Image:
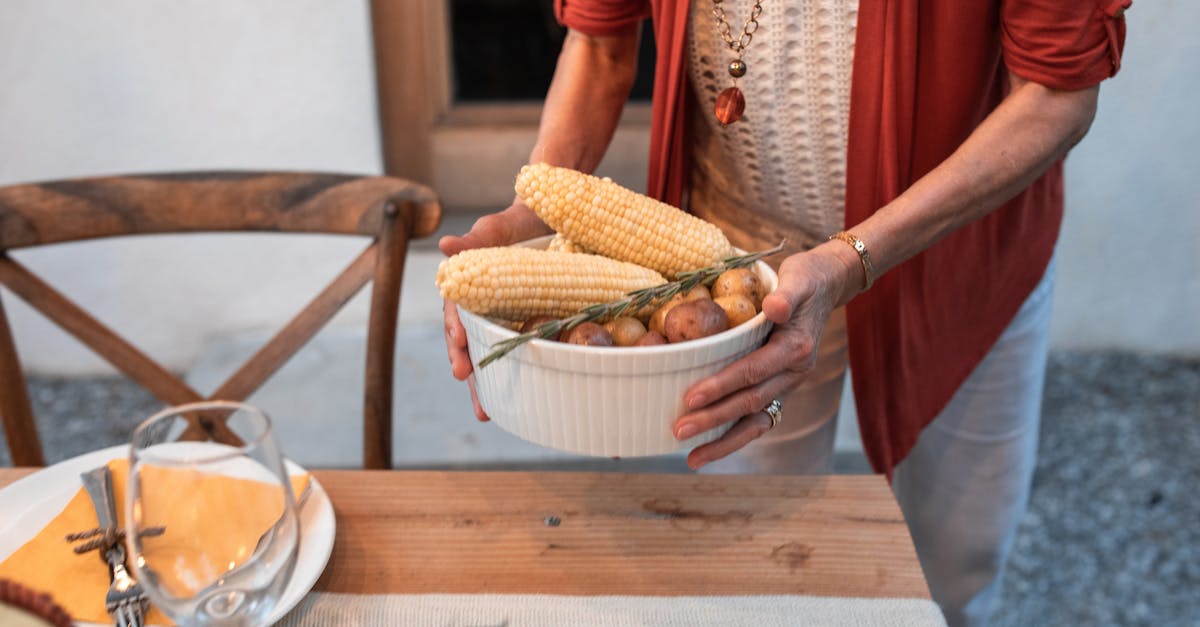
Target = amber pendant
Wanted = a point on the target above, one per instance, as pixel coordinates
(731, 104)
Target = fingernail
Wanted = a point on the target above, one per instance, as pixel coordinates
(697, 401)
(686, 431)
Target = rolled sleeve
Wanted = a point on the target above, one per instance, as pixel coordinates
(1063, 44)
(601, 18)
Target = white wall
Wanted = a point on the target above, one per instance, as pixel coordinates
(1129, 274)
(121, 86)
(127, 86)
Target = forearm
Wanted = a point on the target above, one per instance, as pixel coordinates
(1032, 129)
(591, 84)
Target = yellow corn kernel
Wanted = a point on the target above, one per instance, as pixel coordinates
(616, 222)
(562, 244)
(516, 283)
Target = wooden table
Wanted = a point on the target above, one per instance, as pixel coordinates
(608, 533)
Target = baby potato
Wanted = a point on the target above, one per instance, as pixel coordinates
(660, 316)
(738, 308)
(651, 338)
(695, 319)
(697, 293)
(626, 331)
(528, 325)
(658, 320)
(742, 281)
(588, 334)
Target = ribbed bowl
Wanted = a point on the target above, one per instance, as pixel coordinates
(602, 401)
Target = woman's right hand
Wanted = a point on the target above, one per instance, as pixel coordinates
(514, 224)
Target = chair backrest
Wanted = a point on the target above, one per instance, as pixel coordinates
(388, 210)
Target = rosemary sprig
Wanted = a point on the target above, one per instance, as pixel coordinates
(635, 301)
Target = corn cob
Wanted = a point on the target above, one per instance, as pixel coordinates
(519, 283)
(616, 222)
(560, 243)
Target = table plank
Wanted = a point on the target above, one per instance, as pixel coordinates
(619, 534)
(639, 534)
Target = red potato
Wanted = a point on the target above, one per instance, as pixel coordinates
(658, 320)
(588, 334)
(695, 319)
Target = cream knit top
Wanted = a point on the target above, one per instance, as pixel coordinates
(780, 171)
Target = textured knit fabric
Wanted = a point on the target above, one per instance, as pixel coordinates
(544, 610)
(787, 156)
(925, 74)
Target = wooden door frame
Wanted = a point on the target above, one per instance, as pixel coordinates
(412, 75)
(428, 138)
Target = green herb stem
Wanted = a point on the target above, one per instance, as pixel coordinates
(633, 301)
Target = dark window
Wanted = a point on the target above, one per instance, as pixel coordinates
(506, 50)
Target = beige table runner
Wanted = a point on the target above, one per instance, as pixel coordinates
(323, 609)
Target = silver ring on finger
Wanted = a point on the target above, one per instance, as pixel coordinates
(775, 411)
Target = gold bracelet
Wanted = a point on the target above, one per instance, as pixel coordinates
(863, 255)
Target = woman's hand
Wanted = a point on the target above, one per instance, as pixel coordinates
(811, 285)
(514, 224)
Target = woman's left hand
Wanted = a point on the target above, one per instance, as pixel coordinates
(811, 285)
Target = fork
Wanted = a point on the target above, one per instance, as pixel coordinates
(125, 600)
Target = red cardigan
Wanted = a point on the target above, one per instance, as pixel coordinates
(925, 74)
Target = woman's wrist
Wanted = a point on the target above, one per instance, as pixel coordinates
(845, 272)
(864, 255)
(567, 152)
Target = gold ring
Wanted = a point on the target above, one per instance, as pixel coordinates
(775, 411)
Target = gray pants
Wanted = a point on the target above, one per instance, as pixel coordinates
(965, 485)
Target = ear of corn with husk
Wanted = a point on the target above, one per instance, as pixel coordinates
(610, 220)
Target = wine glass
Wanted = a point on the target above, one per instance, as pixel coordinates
(210, 514)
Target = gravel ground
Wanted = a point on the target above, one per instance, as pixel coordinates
(1112, 536)
(78, 415)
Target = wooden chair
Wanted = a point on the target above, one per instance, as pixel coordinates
(387, 210)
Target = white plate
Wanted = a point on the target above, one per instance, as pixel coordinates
(30, 503)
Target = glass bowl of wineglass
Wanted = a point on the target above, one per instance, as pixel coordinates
(211, 519)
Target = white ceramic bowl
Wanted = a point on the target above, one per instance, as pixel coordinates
(602, 401)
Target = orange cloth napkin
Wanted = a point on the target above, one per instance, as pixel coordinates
(78, 582)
